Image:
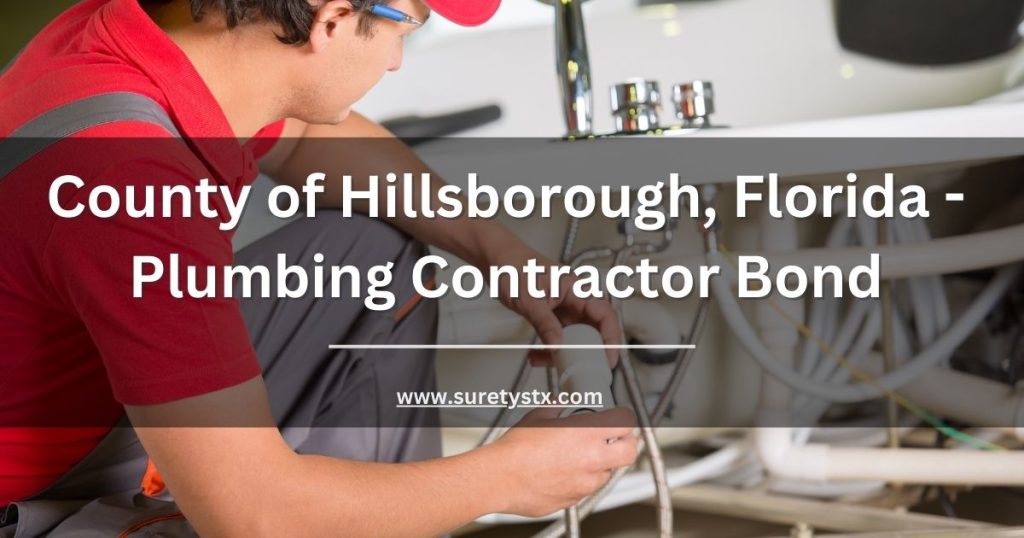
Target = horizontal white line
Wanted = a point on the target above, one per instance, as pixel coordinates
(452, 406)
(954, 197)
(525, 347)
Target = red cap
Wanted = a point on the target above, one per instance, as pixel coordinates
(465, 12)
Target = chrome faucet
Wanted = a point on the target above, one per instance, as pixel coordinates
(574, 67)
(636, 104)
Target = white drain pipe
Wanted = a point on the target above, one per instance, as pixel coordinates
(942, 391)
(970, 399)
(584, 370)
(819, 462)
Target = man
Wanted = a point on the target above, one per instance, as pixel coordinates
(228, 78)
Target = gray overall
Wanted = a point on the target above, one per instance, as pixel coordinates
(336, 403)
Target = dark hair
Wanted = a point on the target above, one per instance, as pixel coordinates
(295, 17)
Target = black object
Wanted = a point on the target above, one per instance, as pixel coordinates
(417, 129)
(655, 358)
(929, 32)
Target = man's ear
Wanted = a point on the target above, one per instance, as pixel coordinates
(333, 18)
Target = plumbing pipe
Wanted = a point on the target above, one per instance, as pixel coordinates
(584, 370)
(572, 522)
(862, 436)
(650, 322)
(1003, 532)
(493, 432)
(886, 235)
(926, 359)
(683, 359)
(809, 410)
(648, 445)
(757, 506)
(811, 362)
(967, 398)
(780, 337)
(970, 399)
(927, 293)
(782, 340)
(645, 320)
(662, 492)
(974, 251)
(636, 397)
(572, 233)
(580, 371)
(654, 455)
(931, 314)
(826, 490)
(818, 462)
(831, 371)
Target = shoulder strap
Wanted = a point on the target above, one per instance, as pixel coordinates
(75, 117)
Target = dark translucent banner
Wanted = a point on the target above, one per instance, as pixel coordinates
(768, 282)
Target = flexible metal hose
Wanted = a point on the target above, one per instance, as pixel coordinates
(584, 508)
(569, 243)
(572, 522)
(648, 444)
(653, 452)
(682, 363)
(572, 518)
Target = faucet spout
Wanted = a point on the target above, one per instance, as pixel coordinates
(574, 67)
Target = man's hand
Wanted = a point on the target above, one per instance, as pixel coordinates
(549, 315)
(557, 462)
(233, 475)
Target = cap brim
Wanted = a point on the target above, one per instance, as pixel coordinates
(465, 12)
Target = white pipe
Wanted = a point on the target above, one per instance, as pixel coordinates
(910, 466)
(834, 516)
(584, 370)
(925, 360)
(968, 398)
(826, 490)
(974, 251)
(824, 314)
(779, 335)
(855, 436)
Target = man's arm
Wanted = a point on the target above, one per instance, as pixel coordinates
(374, 150)
(480, 242)
(233, 475)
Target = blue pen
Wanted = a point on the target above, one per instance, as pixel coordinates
(393, 14)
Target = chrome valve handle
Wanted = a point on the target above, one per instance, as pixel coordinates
(694, 102)
(636, 105)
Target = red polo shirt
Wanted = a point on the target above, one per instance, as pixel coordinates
(76, 345)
